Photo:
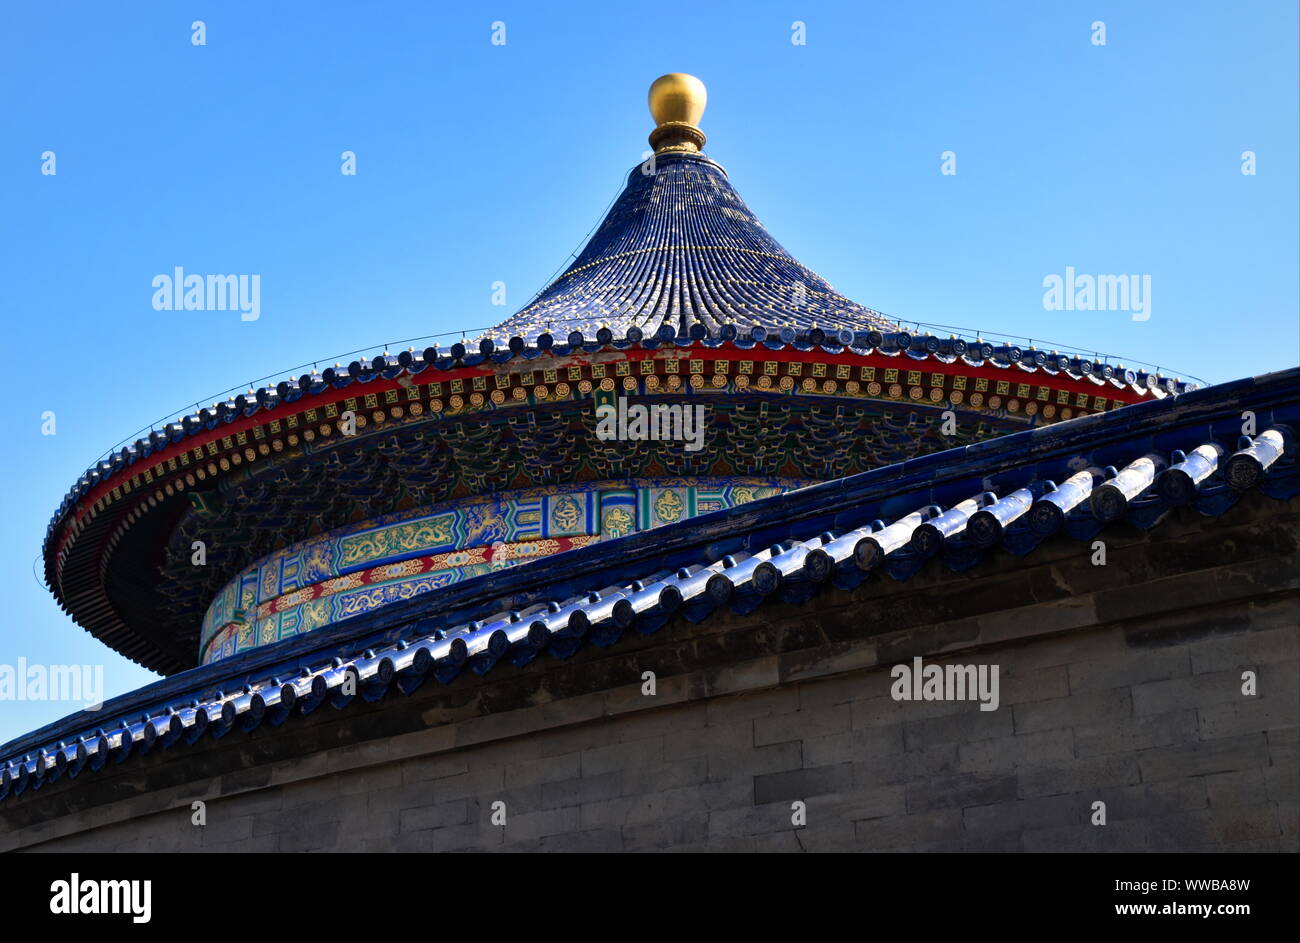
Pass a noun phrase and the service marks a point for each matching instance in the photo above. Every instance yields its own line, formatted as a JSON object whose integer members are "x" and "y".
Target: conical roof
{"x": 807, "y": 386}
{"x": 679, "y": 247}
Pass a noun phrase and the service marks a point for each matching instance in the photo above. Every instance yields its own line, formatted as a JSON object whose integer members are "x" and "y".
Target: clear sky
{"x": 478, "y": 163}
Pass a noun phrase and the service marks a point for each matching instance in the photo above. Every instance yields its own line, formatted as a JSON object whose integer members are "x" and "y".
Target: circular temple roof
{"x": 680, "y": 293}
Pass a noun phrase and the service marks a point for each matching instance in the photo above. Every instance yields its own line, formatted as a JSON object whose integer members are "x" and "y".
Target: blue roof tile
{"x": 896, "y": 520}
{"x": 680, "y": 252}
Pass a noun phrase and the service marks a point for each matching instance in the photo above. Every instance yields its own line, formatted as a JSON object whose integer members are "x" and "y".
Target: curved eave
{"x": 111, "y": 497}
{"x": 790, "y": 547}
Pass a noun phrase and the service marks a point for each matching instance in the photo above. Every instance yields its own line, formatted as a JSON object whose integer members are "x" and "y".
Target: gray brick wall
{"x": 1181, "y": 759}
{"x": 1145, "y": 715}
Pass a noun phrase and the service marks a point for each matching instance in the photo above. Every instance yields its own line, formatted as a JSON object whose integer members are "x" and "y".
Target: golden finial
{"x": 677, "y": 103}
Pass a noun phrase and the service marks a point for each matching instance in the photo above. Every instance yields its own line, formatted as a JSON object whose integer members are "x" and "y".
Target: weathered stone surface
{"x": 1118, "y": 684}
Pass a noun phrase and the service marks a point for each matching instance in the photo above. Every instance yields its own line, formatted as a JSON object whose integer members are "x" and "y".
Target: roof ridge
{"x": 1142, "y": 490}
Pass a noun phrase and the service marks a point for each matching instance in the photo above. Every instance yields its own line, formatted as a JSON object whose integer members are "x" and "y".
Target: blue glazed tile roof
{"x": 679, "y": 248}
{"x": 173, "y": 436}
{"x": 949, "y": 508}
{"x": 678, "y": 262}
{"x": 918, "y": 348}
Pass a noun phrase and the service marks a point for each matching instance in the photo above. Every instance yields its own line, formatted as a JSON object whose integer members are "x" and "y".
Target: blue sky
{"x": 479, "y": 163}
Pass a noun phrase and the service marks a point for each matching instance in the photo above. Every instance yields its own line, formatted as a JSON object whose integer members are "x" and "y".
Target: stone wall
{"x": 1118, "y": 684}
